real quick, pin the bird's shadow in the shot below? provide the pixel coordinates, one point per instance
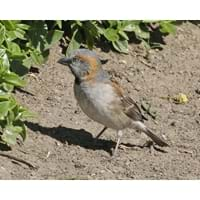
(78, 137)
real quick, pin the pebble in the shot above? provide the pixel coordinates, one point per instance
(123, 62)
(137, 88)
(197, 91)
(58, 143)
(173, 123)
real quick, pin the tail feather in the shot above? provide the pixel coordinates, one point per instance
(155, 138)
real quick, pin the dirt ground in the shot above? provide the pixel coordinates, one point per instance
(60, 142)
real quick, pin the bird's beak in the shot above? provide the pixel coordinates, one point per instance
(65, 61)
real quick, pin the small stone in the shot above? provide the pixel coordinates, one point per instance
(137, 88)
(123, 62)
(173, 123)
(58, 143)
(79, 165)
(197, 91)
(164, 137)
(49, 98)
(48, 154)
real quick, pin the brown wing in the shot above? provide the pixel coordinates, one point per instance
(131, 109)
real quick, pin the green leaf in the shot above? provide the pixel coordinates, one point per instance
(4, 97)
(2, 33)
(22, 113)
(4, 107)
(10, 134)
(2, 52)
(14, 48)
(13, 79)
(4, 59)
(167, 27)
(10, 117)
(146, 44)
(59, 23)
(79, 23)
(27, 114)
(27, 62)
(142, 34)
(90, 32)
(127, 23)
(21, 128)
(10, 36)
(16, 33)
(113, 23)
(135, 27)
(75, 42)
(37, 35)
(131, 27)
(91, 28)
(111, 34)
(121, 46)
(37, 57)
(9, 24)
(12, 103)
(89, 40)
(20, 33)
(149, 21)
(6, 87)
(23, 26)
(53, 37)
(100, 30)
(124, 35)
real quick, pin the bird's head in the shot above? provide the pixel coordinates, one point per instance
(83, 63)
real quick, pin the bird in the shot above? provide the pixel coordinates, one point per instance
(102, 99)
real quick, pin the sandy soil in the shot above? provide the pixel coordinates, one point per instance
(60, 142)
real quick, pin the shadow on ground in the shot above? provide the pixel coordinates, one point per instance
(79, 137)
(4, 147)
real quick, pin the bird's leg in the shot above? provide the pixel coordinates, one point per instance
(119, 135)
(101, 132)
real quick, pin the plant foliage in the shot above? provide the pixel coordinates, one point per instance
(22, 44)
(116, 32)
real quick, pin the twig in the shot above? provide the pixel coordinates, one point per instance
(186, 151)
(19, 160)
(147, 64)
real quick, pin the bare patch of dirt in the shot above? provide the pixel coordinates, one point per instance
(60, 143)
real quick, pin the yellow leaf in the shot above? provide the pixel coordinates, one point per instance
(180, 98)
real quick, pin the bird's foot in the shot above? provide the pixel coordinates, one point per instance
(153, 147)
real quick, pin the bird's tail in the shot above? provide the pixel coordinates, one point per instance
(155, 138)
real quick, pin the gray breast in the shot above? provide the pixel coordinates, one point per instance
(96, 103)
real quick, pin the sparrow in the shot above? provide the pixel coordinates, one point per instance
(102, 99)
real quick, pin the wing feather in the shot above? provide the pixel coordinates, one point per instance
(131, 109)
